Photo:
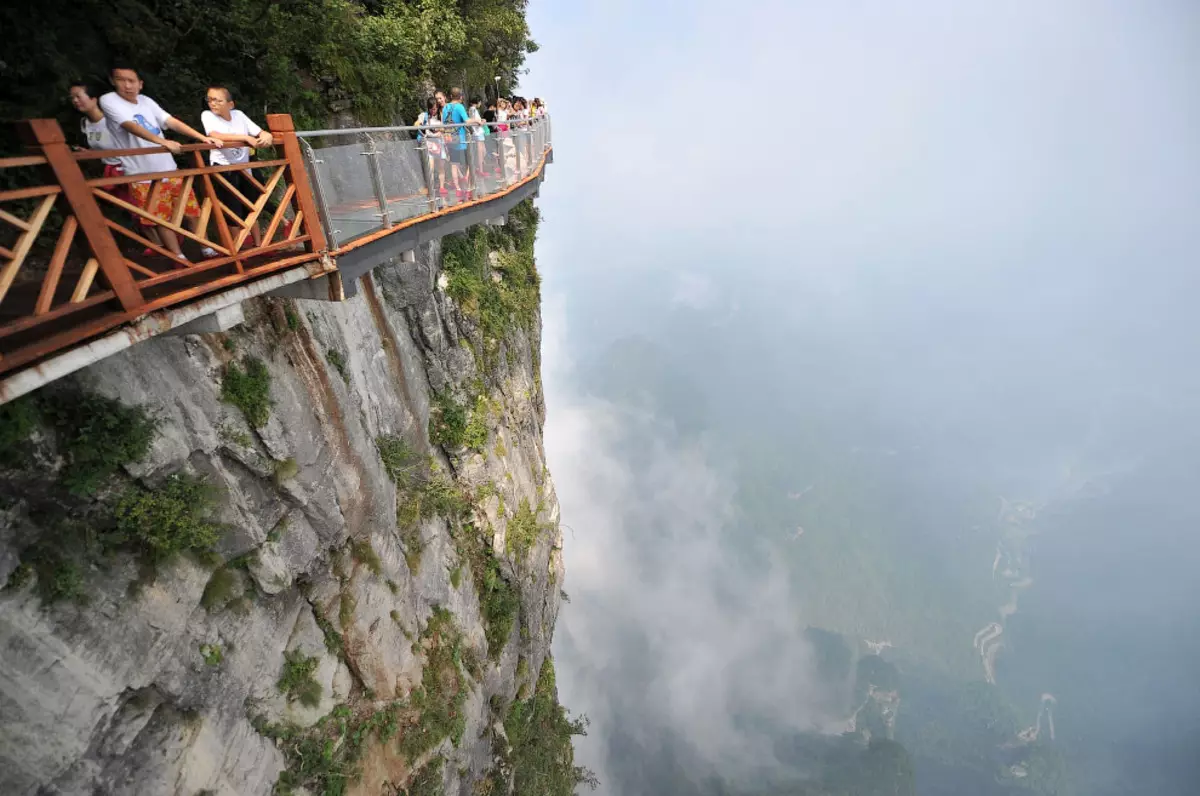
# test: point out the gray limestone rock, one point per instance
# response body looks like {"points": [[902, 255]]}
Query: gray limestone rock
{"points": [[144, 691]]}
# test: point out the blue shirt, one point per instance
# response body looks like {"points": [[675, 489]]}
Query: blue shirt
{"points": [[455, 113]]}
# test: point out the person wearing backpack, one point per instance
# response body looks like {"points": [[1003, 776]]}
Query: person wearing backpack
{"points": [[455, 114]]}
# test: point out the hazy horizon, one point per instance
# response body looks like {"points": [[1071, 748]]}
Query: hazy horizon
{"points": [[826, 289]]}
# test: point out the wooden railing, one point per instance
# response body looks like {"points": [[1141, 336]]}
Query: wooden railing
{"points": [[79, 258], [101, 269]]}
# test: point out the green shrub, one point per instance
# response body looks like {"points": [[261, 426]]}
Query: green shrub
{"points": [[333, 639], [365, 554], [292, 317], [447, 422], [399, 460], [59, 578], [443, 690], [96, 434], [456, 576], [218, 590], [297, 680], [497, 307], [212, 654], [281, 527], [438, 496], [18, 418], [286, 470], [475, 435], [539, 731], [324, 758], [248, 389], [500, 605], [428, 781], [170, 519], [236, 436], [338, 360], [19, 576], [346, 606], [522, 530]]}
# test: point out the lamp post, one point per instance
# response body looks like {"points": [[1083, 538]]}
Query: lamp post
{"points": [[497, 89]]}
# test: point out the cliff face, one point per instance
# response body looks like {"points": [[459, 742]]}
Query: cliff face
{"points": [[319, 552]]}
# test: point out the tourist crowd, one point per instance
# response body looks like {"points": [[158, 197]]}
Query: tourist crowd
{"points": [[126, 119], [480, 145]]}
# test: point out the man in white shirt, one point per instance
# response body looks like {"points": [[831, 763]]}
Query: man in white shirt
{"points": [[224, 122], [138, 122], [95, 131]]}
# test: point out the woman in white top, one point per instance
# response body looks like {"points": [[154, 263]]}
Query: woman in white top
{"points": [[432, 143]]}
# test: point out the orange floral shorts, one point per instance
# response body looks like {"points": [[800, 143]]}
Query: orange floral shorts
{"points": [[165, 201]]}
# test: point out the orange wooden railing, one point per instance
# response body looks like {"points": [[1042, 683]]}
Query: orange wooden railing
{"points": [[96, 274]]}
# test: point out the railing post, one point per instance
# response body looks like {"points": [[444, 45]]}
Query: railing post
{"points": [[281, 127], [372, 156], [473, 189], [502, 157], [427, 168], [516, 140], [312, 161], [48, 136]]}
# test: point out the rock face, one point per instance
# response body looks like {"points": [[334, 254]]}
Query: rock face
{"points": [[146, 685]]}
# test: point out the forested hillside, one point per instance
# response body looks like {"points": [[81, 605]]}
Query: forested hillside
{"points": [[374, 59]]}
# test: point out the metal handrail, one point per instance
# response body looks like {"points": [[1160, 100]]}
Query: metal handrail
{"points": [[519, 123]]}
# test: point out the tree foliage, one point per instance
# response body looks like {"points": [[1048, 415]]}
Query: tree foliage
{"points": [[373, 58]]}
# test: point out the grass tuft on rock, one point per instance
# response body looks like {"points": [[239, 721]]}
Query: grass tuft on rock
{"points": [[170, 519], [97, 435], [297, 680], [248, 387], [219, 590]]}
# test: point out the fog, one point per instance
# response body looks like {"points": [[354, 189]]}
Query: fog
{"points": [[829, 289]]}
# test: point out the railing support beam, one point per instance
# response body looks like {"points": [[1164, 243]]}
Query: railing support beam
{"points": [[372, 156], [281, 126], [48, 136]]}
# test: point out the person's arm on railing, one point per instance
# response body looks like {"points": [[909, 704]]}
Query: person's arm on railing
{"points": [[261, 140], [141, 132], [185, 129]]}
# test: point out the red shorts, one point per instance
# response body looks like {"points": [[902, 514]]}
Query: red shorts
{"points": [[166, 200], [119, 191]]}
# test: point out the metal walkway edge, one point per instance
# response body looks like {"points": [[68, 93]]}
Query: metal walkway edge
{"points": [[350, 207]]}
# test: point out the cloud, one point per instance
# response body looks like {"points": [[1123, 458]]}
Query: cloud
{"points": [[666, 631]]}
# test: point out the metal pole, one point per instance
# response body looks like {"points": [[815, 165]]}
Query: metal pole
{"points": [[516, 133], [473, 191], [372, 155], [427, 170], [318, 190], [502, 154]]}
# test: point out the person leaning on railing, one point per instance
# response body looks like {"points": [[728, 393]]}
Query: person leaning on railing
{"points": [[226, 123], [93, 125], [137, 122], [431, 141]]}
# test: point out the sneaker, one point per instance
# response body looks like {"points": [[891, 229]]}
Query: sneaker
{"points": [[148, 252], [209, 251], [442, 190], [287, 228], [459, 195], [183, 258]]}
